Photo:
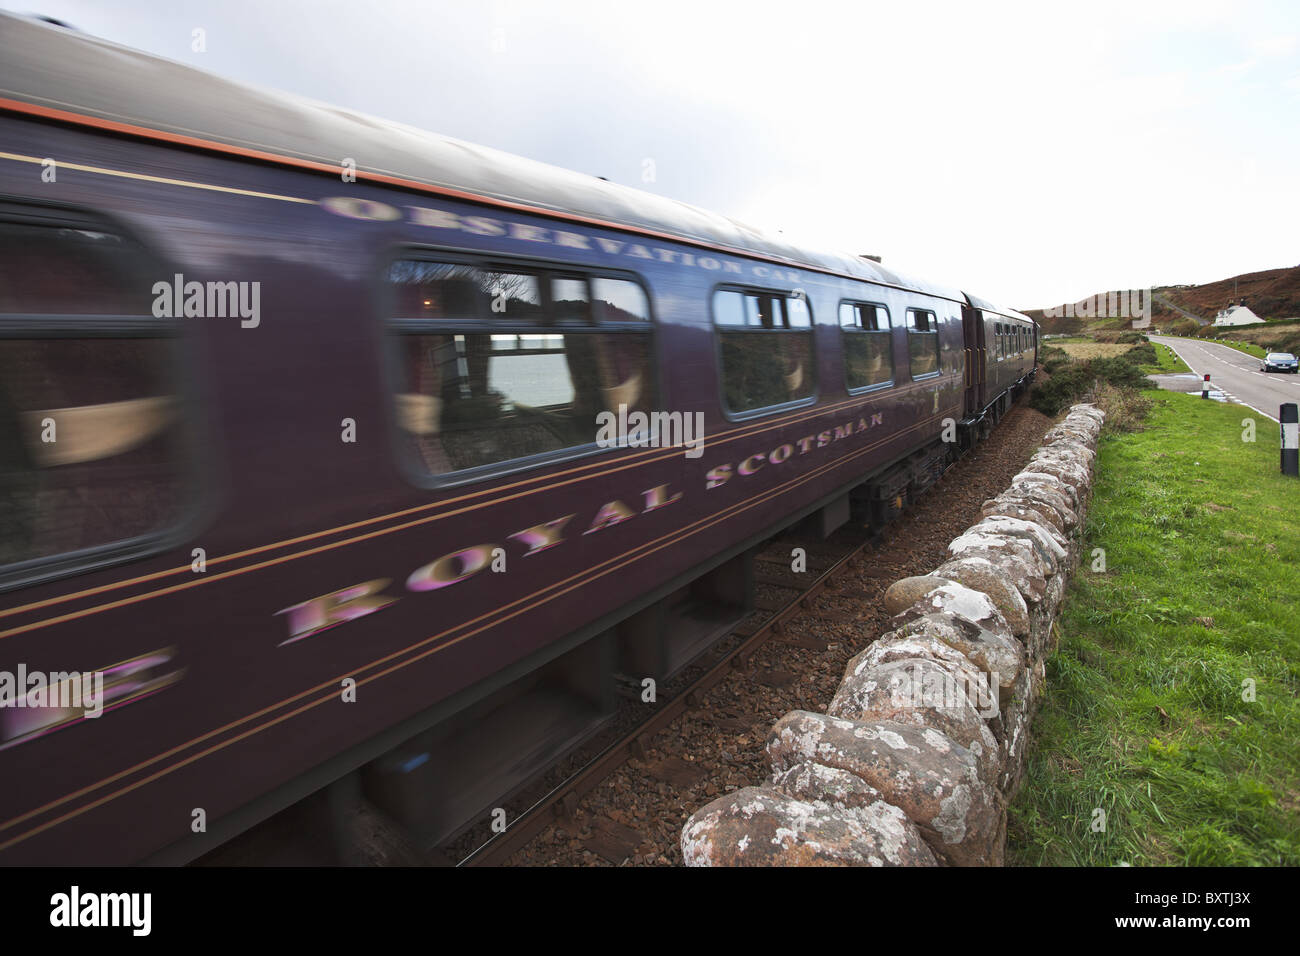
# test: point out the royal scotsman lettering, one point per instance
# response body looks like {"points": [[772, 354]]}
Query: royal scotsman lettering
{"points": [[338, 607], [651, 430], [347, 604], [369, 210], [719, 475], [33, 704]]}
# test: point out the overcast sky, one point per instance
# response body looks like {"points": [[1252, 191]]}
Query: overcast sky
{"points": [[1027, 153]]}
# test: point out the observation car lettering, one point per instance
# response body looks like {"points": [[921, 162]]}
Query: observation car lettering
{"points": [[519, 230], [484, 226], [354, 207], [433, 218], [574, 240]]}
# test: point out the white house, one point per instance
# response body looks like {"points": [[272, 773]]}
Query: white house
{"points": [[1237, 315]]}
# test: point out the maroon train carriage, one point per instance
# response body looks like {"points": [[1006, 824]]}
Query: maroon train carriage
{"points": [[304, 466]]}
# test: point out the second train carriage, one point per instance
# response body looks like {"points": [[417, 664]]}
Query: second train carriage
{"points": [[358, 526]]}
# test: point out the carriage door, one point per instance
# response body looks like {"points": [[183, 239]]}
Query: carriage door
{"points": [[973, 340]]}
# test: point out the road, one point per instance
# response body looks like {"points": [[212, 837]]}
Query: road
{"points": [[1235, 373]]}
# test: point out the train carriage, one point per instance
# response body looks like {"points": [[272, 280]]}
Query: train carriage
{"points": [[344, 452]]}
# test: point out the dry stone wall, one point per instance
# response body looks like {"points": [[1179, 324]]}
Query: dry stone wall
{"points": [[923, 745]]}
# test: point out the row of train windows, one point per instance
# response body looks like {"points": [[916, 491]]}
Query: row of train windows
{"points": [[490, 365], [766, 347], [1011, 340], [497, 364]]}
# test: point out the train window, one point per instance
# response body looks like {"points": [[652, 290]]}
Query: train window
{"points": [[922, 342], [571, 301], [520, 368], [94, 460], [868, 355], [618, 301], [765, 341]]}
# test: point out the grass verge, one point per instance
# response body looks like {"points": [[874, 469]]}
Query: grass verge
{"points": [[1167, 360], [1145, 717], [1250, 348]]}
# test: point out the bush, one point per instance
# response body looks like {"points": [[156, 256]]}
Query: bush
{"points": [[1144, 354], [1124, 407], [1052, 358], [1071, 381], [1067, 383], [1127, 337]]}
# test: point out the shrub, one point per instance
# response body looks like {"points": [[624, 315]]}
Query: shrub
{"points": [[1068, 381], [1071, 381], [1124, 407], [1144, 354], [1126, 337]]}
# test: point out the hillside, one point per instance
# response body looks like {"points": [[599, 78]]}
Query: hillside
{"points": [[1271, 294]]}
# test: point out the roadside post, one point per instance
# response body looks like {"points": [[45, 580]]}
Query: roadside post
{"points": [[1290, 420], [1205, 386]]}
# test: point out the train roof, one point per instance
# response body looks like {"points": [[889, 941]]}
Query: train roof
{"points": [[990, 307], [60, 73]]}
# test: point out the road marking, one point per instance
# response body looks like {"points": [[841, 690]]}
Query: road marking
{"points": [[1202, 348]]}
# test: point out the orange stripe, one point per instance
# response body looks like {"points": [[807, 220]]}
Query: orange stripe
{"points": [[574, 581], [181, 139]]}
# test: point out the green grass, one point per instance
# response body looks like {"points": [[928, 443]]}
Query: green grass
{"points": [[1166, 361], [1247, 347], [1144, 715]]}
